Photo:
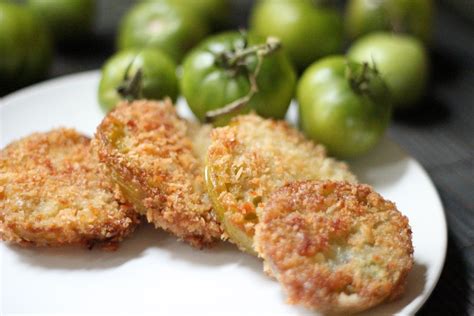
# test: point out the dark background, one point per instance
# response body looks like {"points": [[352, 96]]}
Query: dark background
{"points": [[440, 134]]}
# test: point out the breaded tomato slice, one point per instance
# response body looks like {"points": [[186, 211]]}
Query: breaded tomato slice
{"points": [[335, 246], [250, 158], [156, 158], [54, 192]]}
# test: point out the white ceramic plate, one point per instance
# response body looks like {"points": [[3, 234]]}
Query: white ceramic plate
{"points": [[152, 273]]}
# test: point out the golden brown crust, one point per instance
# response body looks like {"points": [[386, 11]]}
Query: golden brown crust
{"points": [[54, 192], [250, 158], [154, 156], [335, 246]]}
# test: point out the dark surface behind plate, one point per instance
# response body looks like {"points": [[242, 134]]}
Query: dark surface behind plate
{"points": [[440, 134]]}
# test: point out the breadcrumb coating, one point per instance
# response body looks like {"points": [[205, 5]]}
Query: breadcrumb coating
{"points": [[157, 159], [54, 192], [250, 158], [335, 246]]}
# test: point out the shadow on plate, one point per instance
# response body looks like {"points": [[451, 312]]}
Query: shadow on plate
{"points": [[74, 258], [382, 166], [145, 239], [222, 253]]}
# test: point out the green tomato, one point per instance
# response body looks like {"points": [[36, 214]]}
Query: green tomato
{"points": [[25, 47], [158, 79], [214, 11], [402, 61], [307, 31], [402, 16], [67, 19], [344, 105], [210, 81], [174, 29]]}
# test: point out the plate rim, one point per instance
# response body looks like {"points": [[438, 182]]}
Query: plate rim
{"points": [[439, 201], [39, 85]]}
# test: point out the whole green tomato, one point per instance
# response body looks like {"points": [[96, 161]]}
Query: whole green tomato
{"points": [[25, 47], [220, 70], [402, 61], [68, 20], [137, 73], [174, 29], [215, 12], [401, 16], [344, 105], [308, 31]]}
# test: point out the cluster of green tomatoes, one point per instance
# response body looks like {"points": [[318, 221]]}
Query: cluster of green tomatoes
{"points": [[293, 49]]}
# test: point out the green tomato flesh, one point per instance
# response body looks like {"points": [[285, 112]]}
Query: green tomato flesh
{"points": [[244, 241]]}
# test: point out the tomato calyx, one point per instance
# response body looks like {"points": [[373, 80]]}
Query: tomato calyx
{"points": [[237, 61], [363, 79], [237, 57], [131, 87]]}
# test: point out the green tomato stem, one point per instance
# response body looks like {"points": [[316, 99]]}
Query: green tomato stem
{"points": [[233, 59], [360, 77], [131, 88]]}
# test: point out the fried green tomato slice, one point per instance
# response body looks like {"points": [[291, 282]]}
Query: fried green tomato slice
{"points": [[335, 246], [54, 192], [157, 159], [250, 158]]}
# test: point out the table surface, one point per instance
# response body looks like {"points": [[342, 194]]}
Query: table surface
{"points": [[440, 134]]}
